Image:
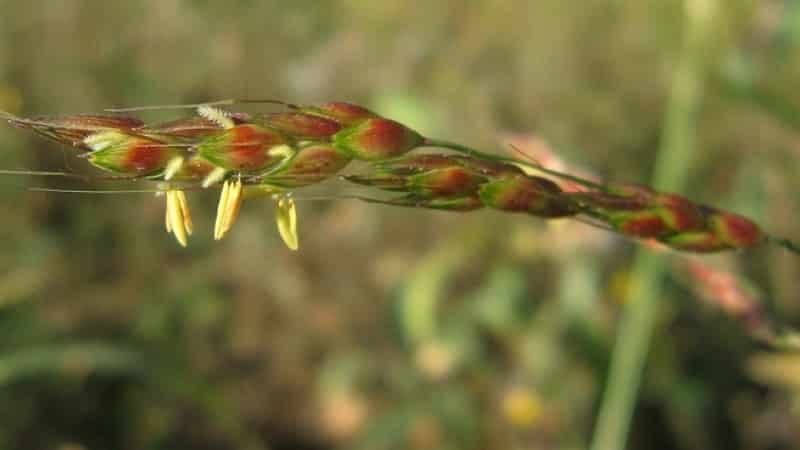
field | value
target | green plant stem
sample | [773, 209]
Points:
[642, 301]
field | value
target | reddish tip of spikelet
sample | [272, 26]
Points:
[302, 126]
[244, 148]
[679, 213]
[130, 154]
[312, 164]
[445, 182]
[532, 195]
[424, 176]
[642, 224]
[735, 230]
[194, 168]
[376, 139]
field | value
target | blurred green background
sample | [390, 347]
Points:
[396, 328]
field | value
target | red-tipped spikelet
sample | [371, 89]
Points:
[312, 164]
[446, 182]
[194, 168]
[129, 154]
[423, 176]
[679, 213]
[735, 230]
[646, 223]
[532, 195]
[244, 148]
[377, 139]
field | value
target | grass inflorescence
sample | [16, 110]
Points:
[273, 154]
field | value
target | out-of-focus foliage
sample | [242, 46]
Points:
[391, 328]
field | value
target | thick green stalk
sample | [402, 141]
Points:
[642, 302]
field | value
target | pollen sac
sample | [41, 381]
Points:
[533, 195]
[244, 148]
[735, 230]
[129, 154]
[311, 165]
[344, 113]
[72, 130]
[376, 139]
[301, 126]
